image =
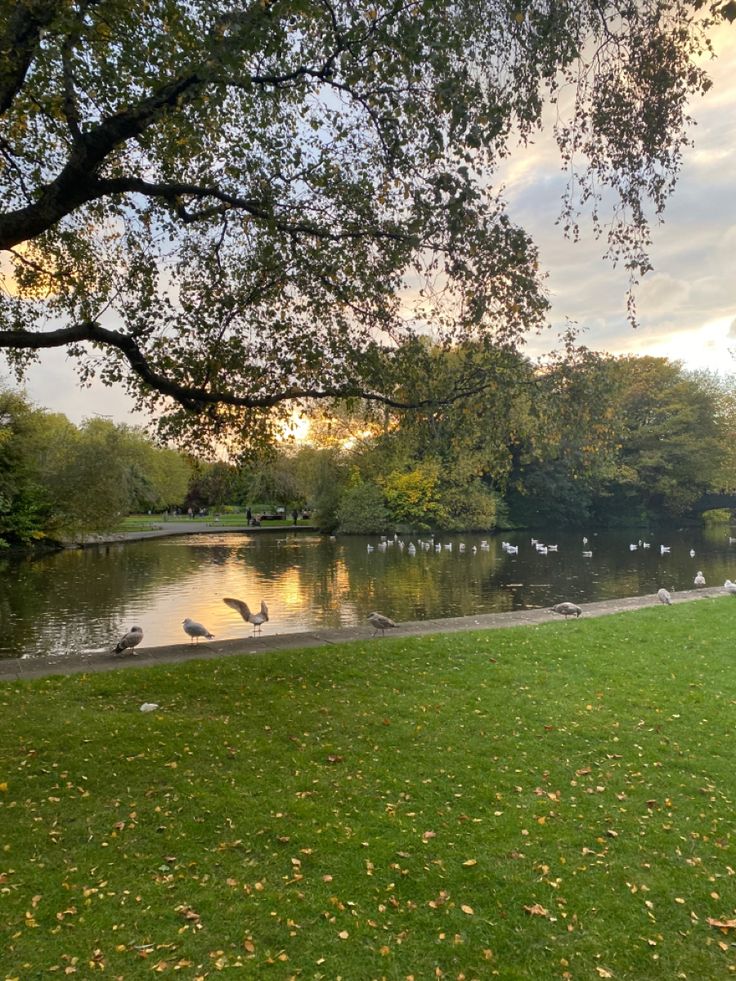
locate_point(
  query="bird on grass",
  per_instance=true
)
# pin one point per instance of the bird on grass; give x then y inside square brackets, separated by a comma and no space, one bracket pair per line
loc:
[379,622]
[196,630]
[133,637]
[567,610]
[699,579]
[730,587]
[257,619]
[663,596]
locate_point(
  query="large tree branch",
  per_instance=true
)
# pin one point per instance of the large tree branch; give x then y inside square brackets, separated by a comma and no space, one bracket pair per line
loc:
[18,41]
[173,192]
[77,184]
[195,398]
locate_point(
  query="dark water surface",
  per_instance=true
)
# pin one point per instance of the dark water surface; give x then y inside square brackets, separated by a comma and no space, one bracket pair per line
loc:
[81,601]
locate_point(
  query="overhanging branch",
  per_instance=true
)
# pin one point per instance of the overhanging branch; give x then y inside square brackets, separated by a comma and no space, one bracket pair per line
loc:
[196,399]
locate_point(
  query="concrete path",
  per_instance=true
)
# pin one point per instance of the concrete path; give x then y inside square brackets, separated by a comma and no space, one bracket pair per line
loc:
[167,529]
[19,669]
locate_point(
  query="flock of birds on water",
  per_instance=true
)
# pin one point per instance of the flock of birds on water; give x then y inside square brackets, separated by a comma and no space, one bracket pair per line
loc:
[379,622]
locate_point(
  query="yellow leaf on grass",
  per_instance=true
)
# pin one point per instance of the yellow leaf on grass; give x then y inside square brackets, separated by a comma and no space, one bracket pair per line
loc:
[604,972]
[721,924]
[468,909]
[470,863]
[536,910]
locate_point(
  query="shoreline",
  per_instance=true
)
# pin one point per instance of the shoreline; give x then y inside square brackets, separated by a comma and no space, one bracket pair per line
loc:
[169,529]
[29,668]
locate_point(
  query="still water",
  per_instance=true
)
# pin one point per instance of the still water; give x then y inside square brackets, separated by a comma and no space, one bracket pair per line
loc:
[80,601]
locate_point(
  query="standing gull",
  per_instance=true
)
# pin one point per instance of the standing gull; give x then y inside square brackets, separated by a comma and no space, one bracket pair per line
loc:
[196,630]
[379,622]
[133,637]
[699,580]
[567,610]
[664,597]
[257,619]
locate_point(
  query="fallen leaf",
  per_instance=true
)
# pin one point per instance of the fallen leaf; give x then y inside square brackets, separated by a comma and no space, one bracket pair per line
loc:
[470,863]
[536,910]
[721,924]
[468,909]
[429,834]
[603,972]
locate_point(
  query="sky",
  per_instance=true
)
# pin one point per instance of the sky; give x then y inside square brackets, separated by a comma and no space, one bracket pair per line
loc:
[686,306]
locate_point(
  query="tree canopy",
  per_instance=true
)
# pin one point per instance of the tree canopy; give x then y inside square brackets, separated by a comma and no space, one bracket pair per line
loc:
[236,206]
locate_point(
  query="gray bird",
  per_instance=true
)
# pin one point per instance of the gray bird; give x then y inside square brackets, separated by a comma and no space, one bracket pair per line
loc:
[699,580]
[379,622]
[664,597]
[567,610]
[133,637]
[196,630]
[257,619]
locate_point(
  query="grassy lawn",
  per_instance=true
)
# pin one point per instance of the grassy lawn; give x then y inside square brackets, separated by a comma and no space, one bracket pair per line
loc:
[551,802]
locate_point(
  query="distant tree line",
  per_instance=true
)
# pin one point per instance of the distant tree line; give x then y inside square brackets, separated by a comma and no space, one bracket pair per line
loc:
[586,439]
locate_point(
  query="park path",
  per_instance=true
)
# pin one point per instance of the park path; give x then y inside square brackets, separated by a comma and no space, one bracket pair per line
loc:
[167,529]
[20,669]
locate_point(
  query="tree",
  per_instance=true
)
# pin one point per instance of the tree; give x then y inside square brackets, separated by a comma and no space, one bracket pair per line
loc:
[232,207]
[362,510]
[673,444]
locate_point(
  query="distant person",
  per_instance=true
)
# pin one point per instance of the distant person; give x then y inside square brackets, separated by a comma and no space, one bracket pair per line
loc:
[190,512]
[295,515]
[248,515]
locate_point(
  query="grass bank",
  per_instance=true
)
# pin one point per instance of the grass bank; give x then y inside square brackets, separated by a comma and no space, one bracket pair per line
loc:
[549,802]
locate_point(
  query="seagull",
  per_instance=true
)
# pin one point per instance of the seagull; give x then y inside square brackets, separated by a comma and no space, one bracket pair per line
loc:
[692,553]
[587,554]
[699,580]
[664,549]
[664,597]
[257,619]
[195,629]
[379,622]
[567,610]
[730,587]
[129,641]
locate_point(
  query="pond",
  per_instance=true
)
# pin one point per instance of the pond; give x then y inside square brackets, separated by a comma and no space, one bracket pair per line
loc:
[80,601]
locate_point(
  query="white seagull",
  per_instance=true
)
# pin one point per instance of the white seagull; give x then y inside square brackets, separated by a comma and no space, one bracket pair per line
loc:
[699,579]
[664,597]
[730,587]
[257,619]
[133,637]
[196,630]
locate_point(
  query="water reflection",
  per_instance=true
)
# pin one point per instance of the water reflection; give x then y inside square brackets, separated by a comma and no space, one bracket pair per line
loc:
[78,601]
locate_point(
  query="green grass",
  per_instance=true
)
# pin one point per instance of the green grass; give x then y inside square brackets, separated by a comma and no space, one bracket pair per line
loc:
[551,802]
